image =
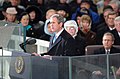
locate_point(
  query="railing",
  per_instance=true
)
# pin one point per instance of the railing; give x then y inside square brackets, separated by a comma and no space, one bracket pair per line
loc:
[20,65]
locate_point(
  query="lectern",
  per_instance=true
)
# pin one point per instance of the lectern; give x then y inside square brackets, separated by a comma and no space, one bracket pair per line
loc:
[25,66]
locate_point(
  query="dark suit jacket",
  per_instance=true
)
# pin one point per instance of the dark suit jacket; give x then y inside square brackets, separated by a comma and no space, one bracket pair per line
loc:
[63,46]
[117,37]
[102,50]
[101,61]
[101,29]
[113,59]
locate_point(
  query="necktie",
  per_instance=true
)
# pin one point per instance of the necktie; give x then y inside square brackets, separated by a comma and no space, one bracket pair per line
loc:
[107,52]
[54,38]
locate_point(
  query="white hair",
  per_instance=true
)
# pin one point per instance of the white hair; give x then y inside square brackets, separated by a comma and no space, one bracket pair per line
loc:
[117,18]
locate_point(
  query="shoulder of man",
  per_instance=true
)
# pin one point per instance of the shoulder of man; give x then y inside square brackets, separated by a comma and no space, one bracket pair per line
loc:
[66,35]
[116,49]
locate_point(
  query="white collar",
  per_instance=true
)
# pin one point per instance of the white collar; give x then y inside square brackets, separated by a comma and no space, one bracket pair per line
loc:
[57,34]
[111,28]
[107,51]
[119,34]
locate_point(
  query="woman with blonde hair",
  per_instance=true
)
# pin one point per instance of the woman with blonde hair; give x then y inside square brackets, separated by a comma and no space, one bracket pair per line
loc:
[85,30]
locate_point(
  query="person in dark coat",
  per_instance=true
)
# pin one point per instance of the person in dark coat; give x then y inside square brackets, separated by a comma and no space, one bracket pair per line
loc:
[103,18]
[61,44]
[64,45]
[107,41]
[116,31]
[24,19]
[106,27]
[108,48]
[87,4]
[37,29]
[72,28]
[85,30]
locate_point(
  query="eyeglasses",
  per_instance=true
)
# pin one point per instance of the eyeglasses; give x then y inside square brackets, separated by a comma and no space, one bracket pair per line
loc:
[107,40]
[111,18]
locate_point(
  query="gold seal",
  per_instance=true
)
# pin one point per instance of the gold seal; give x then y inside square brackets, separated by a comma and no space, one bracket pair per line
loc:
[19,64]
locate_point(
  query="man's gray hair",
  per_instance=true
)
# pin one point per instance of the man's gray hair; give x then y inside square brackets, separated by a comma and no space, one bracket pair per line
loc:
[117,2]
[109,34]
[59,17]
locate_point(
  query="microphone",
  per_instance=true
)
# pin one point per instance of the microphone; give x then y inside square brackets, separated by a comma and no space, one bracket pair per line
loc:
[1,47]
[29,41]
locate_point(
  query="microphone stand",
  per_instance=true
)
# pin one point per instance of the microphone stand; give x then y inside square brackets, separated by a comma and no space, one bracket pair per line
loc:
[23,47]
[28,41]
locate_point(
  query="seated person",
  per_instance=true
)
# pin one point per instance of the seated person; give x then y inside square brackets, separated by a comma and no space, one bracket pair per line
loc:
[108,48]
[116,31]
[72,28]
[85,30]
[108,41]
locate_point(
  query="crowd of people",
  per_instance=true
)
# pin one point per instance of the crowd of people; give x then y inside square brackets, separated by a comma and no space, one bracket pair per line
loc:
[81,20]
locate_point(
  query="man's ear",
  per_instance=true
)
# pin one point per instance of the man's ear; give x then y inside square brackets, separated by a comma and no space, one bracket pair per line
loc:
[61,24]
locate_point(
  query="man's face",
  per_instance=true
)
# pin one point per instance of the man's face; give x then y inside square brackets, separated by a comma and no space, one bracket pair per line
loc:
[85,5]
[15,2]
[63,1]
[50,13]
[78,1]
[10,17]
[110,20]
[55,26]
[107,41]
[105,14]
[115,7]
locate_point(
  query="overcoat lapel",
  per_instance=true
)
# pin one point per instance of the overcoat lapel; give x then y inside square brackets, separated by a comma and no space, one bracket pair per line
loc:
[56,42]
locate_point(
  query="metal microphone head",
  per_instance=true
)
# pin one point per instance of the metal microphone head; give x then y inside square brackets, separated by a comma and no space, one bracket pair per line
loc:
[31,41]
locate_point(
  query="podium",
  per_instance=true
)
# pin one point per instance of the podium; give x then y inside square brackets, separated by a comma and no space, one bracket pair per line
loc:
[25,66]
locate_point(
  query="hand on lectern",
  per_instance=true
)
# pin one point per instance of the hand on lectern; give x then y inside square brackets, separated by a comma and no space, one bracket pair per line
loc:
[44,56]
[47,57]
[35,54]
